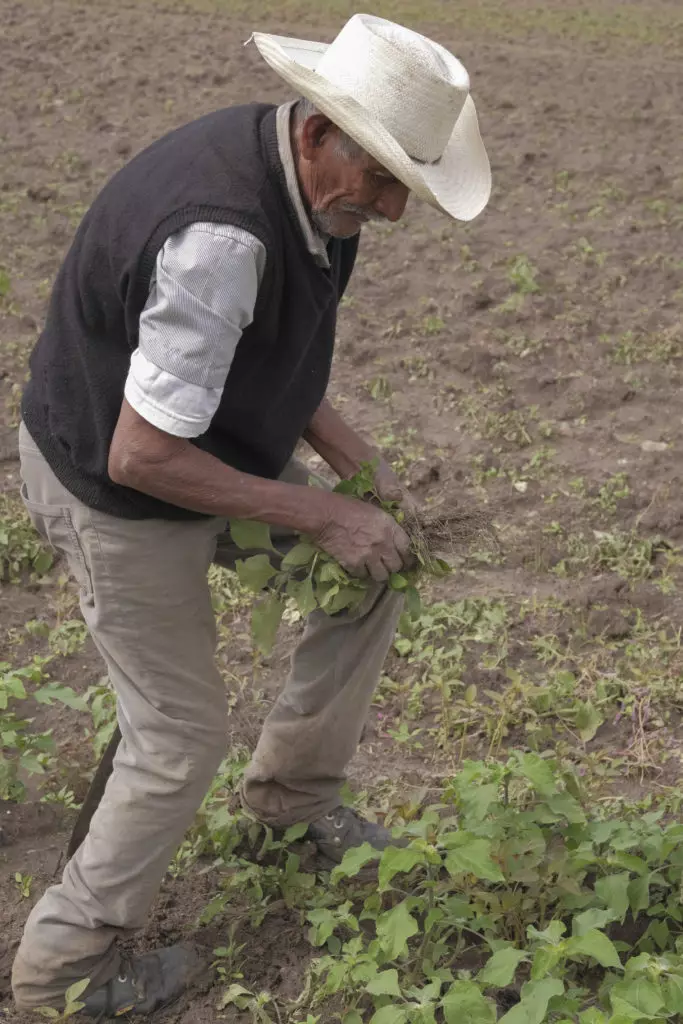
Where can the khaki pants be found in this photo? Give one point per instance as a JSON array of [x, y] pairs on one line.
[[145, 599]]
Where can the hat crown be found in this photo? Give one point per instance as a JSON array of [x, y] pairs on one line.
[[415, 88]]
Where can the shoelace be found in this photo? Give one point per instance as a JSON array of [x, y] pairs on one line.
[[336, 819], [125, 969]]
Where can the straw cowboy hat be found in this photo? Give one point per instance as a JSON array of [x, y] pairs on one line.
[[403, 98]]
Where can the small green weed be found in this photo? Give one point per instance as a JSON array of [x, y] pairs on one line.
[[21, 549], [22, 749], [432, 324], [626, 554], [640, 347], [72, 1002], [522, 275], [23, 884]]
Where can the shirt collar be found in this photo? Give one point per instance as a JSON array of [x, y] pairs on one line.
[[315, 243]]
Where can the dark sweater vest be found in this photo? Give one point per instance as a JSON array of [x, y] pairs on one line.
[[225, 168]]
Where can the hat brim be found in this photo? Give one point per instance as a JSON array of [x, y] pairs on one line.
[[459, 184]]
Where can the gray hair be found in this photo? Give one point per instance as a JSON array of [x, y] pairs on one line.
[[345, 146]]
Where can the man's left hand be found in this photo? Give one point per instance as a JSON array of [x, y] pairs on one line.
[[390, 488]]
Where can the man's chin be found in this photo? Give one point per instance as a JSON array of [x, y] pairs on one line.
[[347, 233], [344, 225]]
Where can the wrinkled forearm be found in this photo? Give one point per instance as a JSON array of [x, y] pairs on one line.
[[336, 442], [176, 471]]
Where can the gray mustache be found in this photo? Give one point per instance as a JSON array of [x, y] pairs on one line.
[[363, 212]]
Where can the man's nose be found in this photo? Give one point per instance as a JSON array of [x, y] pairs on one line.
[[392, 202]]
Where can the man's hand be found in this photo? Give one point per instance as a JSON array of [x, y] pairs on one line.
[[390, 488], [344, 450], [364, 540]]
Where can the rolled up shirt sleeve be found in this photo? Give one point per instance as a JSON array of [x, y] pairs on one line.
[[201, 299]]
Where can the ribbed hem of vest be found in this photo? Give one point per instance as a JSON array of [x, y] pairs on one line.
[[91, 492]]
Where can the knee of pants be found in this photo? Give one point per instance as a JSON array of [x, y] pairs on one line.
[[175, 760]]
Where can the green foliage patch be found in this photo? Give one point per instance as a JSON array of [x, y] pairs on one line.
[[513, 902]]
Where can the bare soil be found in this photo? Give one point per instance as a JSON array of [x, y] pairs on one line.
[[477, 365]]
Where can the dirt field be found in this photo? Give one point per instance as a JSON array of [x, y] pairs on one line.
[[530, 361]]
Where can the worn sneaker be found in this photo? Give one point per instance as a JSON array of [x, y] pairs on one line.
[[343, 829], [144, 983]]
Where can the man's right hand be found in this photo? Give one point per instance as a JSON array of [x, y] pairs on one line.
[[364, 540]]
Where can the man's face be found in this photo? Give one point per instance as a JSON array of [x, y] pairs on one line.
[[345, 192]]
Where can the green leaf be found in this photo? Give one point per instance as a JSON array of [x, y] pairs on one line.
[[395, 859], [537, 771], [397, 581], [596, 945], [301, 554], [499, 969], [613, 891], [659, 931], [476, 800], [628, 861], [63, 694], [31, 764], [566, 806], [413, 602], [304, 595], [332, 572], [394, 928], [589, 919], [352, 1018], [345, 487], [250, 535], [324, 922], [48, 1011], [471, 855], [465, 1004], [384, 984], [295, 832], [235, 994], [546, 959], [254, 572], [638, 994], [552, 934], [265, 620], [638, 892], [390, 1015], [352, 861], [672, 990], [343, 598], [76, 990], [587, 720], [43, 562], [533, 1005]]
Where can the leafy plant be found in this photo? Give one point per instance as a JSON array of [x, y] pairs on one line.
[[21, 548], [101, 700], [23, 884], [23, 750], [311, 579], [522, 274], [72, 1003], [514, 902]]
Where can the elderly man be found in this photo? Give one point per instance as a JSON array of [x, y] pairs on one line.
[[186, 352]]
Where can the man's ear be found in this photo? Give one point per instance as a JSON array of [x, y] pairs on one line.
[[313, 133]]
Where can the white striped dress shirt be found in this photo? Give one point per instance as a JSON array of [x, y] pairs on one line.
[[201, 298]]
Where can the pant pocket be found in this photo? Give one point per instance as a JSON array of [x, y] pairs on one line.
[[55, 525]]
